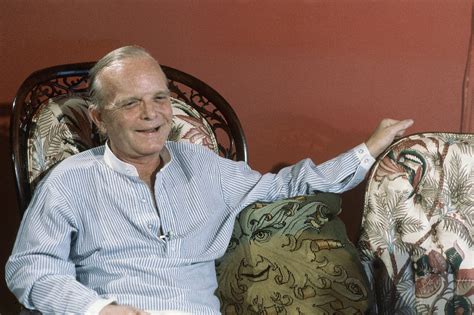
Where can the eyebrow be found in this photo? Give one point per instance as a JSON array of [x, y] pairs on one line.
[[126, 100], [165, 92], [136, 98]]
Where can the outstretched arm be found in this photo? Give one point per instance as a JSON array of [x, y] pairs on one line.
[[387, 131]]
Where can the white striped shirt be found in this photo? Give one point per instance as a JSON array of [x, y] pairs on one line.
[[93, 230]]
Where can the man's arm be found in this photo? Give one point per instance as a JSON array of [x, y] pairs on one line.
[[39, 271], [241, 185], [350, 168]]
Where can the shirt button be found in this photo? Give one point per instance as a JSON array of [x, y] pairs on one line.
[[360, 151], [366, 161], [143, 200], [150, 226]]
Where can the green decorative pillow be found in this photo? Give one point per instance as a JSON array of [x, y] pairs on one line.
[[292, 256]]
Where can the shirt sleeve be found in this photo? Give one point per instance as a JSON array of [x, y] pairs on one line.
[[242, 186], [353, 165], [39, 271]]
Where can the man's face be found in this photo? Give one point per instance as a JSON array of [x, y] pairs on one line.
[[137, 115]]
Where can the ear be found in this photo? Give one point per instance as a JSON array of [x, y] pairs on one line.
[[96, 116]]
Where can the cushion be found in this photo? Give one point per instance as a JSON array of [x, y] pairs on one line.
[[417, 229], [190, 126], [292, 256], [61, 127]]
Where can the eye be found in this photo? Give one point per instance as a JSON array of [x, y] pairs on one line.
[[129, 104], [233, 244], [261, 235], [162, 97]]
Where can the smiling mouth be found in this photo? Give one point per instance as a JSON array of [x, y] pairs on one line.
[[261, 276], [152, 130]]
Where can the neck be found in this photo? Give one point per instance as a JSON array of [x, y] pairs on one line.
[[147, 166], [147, 171]]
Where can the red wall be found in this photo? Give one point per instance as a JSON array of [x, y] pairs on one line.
[[306, 77]]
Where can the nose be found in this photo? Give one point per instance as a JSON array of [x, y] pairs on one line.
[[148, 110], [252, 262]]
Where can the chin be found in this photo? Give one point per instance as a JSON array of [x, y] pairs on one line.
[[151, 146], [151, 151]]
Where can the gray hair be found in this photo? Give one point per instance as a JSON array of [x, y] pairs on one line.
[[114, 57]]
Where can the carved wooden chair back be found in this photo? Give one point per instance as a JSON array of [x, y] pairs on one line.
[[50, 121]]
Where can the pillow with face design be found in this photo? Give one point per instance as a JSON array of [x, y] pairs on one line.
[[292, 256]]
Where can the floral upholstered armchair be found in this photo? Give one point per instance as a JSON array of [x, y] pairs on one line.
[[292, 256], [418, 226]]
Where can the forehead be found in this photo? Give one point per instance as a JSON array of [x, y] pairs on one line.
[[133, 75]]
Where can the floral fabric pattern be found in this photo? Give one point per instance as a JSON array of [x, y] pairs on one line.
[[61, 127], [292, 257], [417, 230]]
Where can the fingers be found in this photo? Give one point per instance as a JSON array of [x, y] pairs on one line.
[[394, 127], [387, 131], [396, 124], [404, 124], [401, 126], [135, 311], [115, 309]]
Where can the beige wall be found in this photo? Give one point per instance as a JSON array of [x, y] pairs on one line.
[[306, 77]]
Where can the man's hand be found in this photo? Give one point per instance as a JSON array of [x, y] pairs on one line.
[[113, 309], [387, 131]]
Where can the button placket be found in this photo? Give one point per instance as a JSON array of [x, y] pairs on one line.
[[147, 212], [172, 247], [161, 212]]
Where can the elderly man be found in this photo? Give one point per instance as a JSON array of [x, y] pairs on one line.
[[135, 226]]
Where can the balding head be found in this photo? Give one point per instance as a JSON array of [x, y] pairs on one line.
[[97, 90]]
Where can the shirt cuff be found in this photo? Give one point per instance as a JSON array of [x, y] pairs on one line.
[[366, 161], [364, 156], [97, 306]]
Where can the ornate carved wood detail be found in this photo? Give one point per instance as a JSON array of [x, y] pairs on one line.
[[209, 111], [78, 84], [50, 89], [72, 79]]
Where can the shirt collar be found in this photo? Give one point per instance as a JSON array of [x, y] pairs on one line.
[[125, 168]]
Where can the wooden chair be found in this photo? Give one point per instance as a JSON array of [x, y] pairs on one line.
[[70, 81]]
